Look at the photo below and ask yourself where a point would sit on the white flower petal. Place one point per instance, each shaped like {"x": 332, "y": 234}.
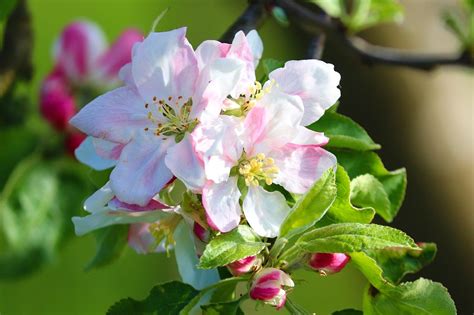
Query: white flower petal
{"x": 265, "y": 211}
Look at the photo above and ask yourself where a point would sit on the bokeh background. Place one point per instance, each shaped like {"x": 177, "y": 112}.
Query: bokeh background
{"x": 424, "y": 121}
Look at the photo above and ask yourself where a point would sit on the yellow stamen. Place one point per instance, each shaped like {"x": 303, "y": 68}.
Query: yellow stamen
{"x": 259, "y": 168}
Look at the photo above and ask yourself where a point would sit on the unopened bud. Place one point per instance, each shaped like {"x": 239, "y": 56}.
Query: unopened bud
{"x": 56, "y": 103}
{"x": 328, "y": 263}
{"x": 269, "y": 286}
{"x": 244, "y": 265}
{"x": 201, "y": 233}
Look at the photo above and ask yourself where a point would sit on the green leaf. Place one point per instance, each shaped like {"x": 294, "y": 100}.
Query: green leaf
{"x": 348, "y": 312}
{"x": 367, "y": 191}
{"x": 35, "y": 209}
{"x": 371, "y": 270}
{"x": 343, "y": 132}
{"x": 227, "y": 308}
{"x": 333, "y": 8}
{"x": 110, "y": 244}
{"x": 341, "y": 210}
{"x": 358, "y": 163}
{"x": 311, "y": 207}
{"x": 168, "y": 298}
{"x": 353, "y": 237}
{"x": 229, "y": 247}
{"x": 271, "y": 64}
{"x": 397, "y": 262}
{"x": 368, "y": 13}
{"x": 294, "y": 308}
{"x": 411, "y": 298}
{"x": 6, "y": 7}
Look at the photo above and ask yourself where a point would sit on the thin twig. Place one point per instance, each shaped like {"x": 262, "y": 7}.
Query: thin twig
{"x": 314, "y": 23}
{"x": 250, "y": 19}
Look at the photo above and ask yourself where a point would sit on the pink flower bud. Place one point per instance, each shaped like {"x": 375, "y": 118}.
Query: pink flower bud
{"x": 269, "y": 286}
{"x": 328, "y": 263}
{"x": 245, "y": 265}
{"x": 73, "y": 140}
{"x": 119, "y": 54}
{"x": 77, "y": 50}
{"x": 56, "y": 103}
{"x": 201, "y": 233}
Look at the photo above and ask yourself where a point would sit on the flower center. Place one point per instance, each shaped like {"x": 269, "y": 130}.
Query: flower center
{"x": 257, "y": 169}
{"x": 176, "y": 115}
{"x": 245, "y": 102}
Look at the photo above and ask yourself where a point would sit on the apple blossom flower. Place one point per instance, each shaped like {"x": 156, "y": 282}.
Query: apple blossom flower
{"x": 266, "y": 146}
{"x": 244, "y": 265}
{"x": 165, "y": 96}
{"x": 269, "y": 285}
{"x": 328, "y": 263}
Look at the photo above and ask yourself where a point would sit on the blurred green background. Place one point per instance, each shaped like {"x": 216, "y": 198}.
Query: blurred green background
{"x": 422, "y": 120}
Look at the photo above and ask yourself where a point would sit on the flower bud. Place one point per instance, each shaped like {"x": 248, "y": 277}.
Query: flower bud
{"x": 328, "y": 263}
{"x": 56, "y": 103}
{"x": 77, "y": 50}
{"x": 201, "y": 233}
{"x": 119, "y": 54}
{"x": 244, "y": 265}
{"x": 269, "y": 286}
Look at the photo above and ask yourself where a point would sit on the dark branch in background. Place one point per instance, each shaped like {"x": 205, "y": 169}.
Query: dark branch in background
{"x": 316, "y": 43}
{"x": 250, "y": 19}
{"x": 15, "y": 56}
{"x": 314, "y": 23}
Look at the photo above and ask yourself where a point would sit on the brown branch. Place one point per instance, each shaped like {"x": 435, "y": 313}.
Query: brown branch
{"x": 314, "y": 23}
{"x": 15, "y": 56}
{"x": 250, "y": 19}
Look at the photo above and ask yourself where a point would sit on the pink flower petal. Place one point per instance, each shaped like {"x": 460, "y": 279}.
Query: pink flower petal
{"x": 141, "y": 171}
{"x": 221, "y": 202}
{"x": 314, "y": 81}
{"x": 165, "y": 65}
{"x": 116, "y": 116}
{"x": 301, "y": 166}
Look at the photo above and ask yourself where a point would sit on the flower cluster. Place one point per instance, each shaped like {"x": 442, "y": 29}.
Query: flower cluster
{"x": 83, "y": 66}
{"x": 196, "y": 142}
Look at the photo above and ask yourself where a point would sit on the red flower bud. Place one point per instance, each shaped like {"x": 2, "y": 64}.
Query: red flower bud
{"x": 56, "y": 103}
{"x": 328, "y": 263}
{"x": 269, "y": 286}
{"x": 73, "y": 140}
{"x": 244, "y": 265}
{"x": 201, "y": 233}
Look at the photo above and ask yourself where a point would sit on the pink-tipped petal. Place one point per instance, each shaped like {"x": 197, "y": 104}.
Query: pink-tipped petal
{"x": 116, "y": 116}
{"x": 119, "y": 54}
{"x": 165, "y": 65}
{"x": 269, "y": 286}
{"x": 314, "y": 81}
{"x": 116, "y": 204}
{"x": 244, "y": 265}
{"x": 221, "y": 202}
{"x": 78, "y": 49}
{"x": 265, "y": 211}
{"x": 272, "y": 123}
{"x": 141, "y": 171}
{"x": 301, "y": 166}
